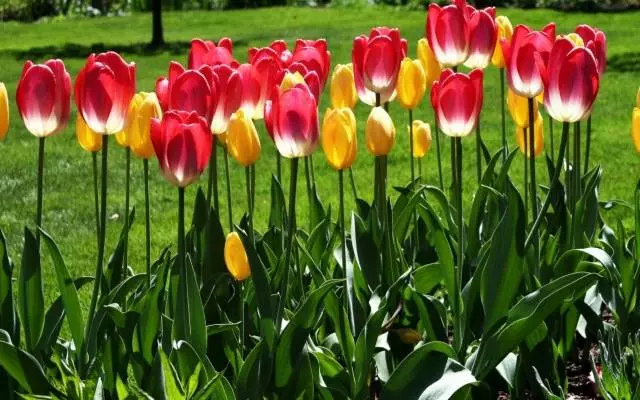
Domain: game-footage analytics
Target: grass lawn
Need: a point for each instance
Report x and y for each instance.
(68, 201)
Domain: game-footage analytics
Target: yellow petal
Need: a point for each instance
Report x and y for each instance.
(290, 80)
(89, 140)
(139, 123)
(538, 138)
(380, 133)
(236, 258)
(412, 83)
(242, 139)
(343, 88)
(505, 31)
(339, 137)
(4, 111)
(430, 65)
(421, 138)
(519, 109)
(635, 128)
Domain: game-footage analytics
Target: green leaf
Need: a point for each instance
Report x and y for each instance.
(248, 382)
(525, 316)
(24, 368)
(366, 252)
(278, 214)
(31, 299)
(427, 277)
(429, 372)
(8, 319)
(508, 369)
(171, 383)
(189, 321)
(296, 332)
(68, 292)
(150, 318)
(365, 346)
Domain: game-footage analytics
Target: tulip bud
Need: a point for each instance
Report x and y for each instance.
(142, 108)
(88, 139)
(339, 139)
(291, 79)
(519, 109)
(235, 256)
(242, 139)
(538, 138)
(411, 84)
(343, 88)
(505, 31)
(4, 111)
(430, 64)
(421, 138)
(380, 133)
(635, 128)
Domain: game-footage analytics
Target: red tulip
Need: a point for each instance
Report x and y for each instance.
(189, 90)
(44, 97)
(310, 78)
(376, 63)
(229, 88)
(525, 55)
(448, 32)
(291, 116)
(483, 35)
(315, 56)
(206, 52)
(104, 88)
(279, 47)
(250, 89)
(182, 142)
(571, 81)
(589, 34)
(268, 70)
(457, 101)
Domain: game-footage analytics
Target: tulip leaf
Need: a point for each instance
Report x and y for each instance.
(366, 251)
(189, 320)
(295, 334)
(249, 374)
(31, 298)
(365, 346)
(24, 368)
(278, 214)
(427, 277)
(149, 325)
(8, 317)
(172, 387)
(68, 292)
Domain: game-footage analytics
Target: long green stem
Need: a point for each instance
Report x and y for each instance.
(420, 169)
(96, 196)
(279, 166)
(228, 179)
(534, 187)
(147, 219)
(587, 151)
(41, 142)
(526, 174)
(313, 173)
(181, 244)
(438, 154)
(552, 184)
(577, 170)
(502, 109)
(414, 244)
(553, 153)
(291, 234)
(353, 184)
(241, 311)
(125, 258)
(478, 151)
(212, 184)
(413, 173)
(247, 171)
(457, 184)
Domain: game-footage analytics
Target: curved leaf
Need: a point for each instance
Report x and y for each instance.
(31, 298)
(24, 368)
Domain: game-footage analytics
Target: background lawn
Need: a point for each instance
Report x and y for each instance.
(68, 201)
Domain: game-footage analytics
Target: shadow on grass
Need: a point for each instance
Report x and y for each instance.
(74, 50)
(624, 62)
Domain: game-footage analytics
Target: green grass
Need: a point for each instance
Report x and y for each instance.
(68, 201)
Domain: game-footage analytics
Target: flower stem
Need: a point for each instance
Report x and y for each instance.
(505, 147)
(414, 244)
(41, 142)
(533, 183)
(478, 151)
(413, 174)
(127, 179)
(181, 244)
(279, 166)
(588, 146)
(456, 143)
(353, 184)
(241, 311)
(147, 217)
(228, 179)
(551, 136)
(212, 185)
(438, 154)
(247, 171)
(291, 234)
(96, 197)
(576, 166)
(526, 175)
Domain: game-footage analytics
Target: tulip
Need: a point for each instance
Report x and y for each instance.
(448, 32)
(250, 89)
(43, 96)
(293, 117)
(88, 139)
(229, 90)
(482, 37)
(268, 70)
(568, 63)
(343, 87)
(235, 257)
(505, 31)
(635, 128)
(315, 56)
(599, 46)
(380, 133)
(182, 142)
(526, 56)
(4, 112)
(430, 64)
(522, 134)
(411, 84)
(309, 77)
(421, 138)
(103, 90)
(206, 52)
(519, 109)
(278, 48)
(291, 79)
(457, 100)
(242, 139)
(339, 137)
(162, 92)
(376, 63)
(142, 109)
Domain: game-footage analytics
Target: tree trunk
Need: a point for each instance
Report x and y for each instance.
(157, 35)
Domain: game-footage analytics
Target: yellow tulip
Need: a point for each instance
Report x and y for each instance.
(412, 83)
(242, 139)
(421, 138)
(430, 65)
(290, 80)
(538, 138)
(380, 133)
(88, 139)
(4, 111)
(142, 108)
(343, 88)
(574, 38)
(505, 31)
(236, 258)
(339, 140)
(519, 109)
(635, 128)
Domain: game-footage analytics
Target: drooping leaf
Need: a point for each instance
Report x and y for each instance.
(30, 295)
(24, 368)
